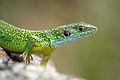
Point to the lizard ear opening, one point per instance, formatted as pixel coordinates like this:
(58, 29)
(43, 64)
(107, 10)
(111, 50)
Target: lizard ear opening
(66, 33)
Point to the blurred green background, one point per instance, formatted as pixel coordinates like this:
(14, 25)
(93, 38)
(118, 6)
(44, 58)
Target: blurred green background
(94, 58)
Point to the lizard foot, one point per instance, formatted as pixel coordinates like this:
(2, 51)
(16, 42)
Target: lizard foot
(27, 58)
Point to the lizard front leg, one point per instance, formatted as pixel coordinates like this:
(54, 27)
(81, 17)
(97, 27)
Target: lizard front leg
(47, 55)
(35, 42)
(45, 60)
(30, 43)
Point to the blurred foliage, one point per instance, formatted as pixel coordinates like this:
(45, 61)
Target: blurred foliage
(94, 58)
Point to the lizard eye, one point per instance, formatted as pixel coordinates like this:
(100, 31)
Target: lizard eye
(81, 28)
(66, 33)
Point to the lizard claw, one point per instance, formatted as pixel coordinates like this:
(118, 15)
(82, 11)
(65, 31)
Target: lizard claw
(22, 55)
(31, 58)
(26, 58)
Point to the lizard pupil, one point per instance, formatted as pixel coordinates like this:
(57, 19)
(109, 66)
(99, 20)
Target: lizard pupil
(80, 29)
(66, 33)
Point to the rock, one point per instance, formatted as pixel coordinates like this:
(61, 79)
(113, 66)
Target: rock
(20, 71)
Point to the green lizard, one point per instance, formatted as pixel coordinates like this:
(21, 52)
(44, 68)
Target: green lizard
(26, 42)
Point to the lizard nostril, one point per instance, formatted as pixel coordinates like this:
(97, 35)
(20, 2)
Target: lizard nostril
(95, 28)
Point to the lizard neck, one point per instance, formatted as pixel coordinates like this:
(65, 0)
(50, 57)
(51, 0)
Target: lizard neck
(52, 36)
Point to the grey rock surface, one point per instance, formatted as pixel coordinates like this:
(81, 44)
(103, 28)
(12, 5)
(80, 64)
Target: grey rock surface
(19, 71)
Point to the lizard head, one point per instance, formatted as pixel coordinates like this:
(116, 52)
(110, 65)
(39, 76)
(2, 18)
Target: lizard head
(72, 32)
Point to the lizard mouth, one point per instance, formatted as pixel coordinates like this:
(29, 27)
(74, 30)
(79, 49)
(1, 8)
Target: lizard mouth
(88, 33)
(82, 35)
(74, 37)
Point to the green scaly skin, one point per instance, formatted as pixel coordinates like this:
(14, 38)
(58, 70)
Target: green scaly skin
(26, 42)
